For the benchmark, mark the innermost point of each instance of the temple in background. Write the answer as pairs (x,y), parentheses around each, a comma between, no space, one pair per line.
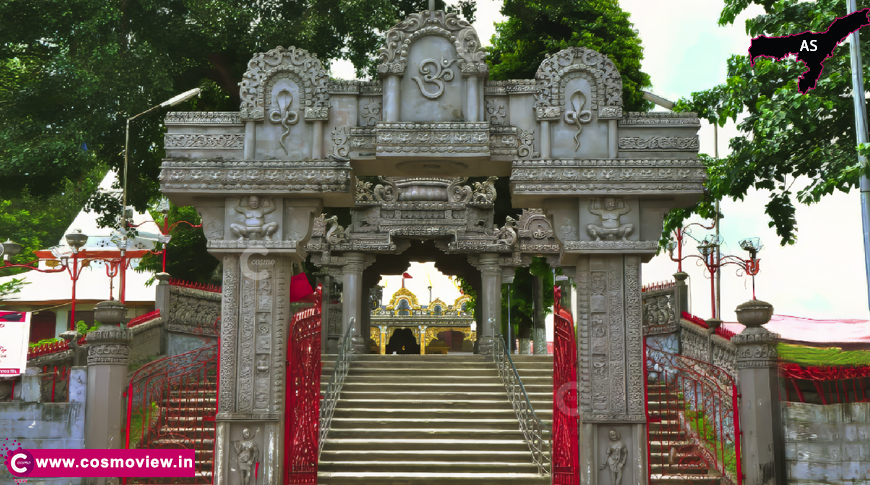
(398,326)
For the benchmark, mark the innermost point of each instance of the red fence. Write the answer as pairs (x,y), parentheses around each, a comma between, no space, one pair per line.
(143,318)
(171,403)
(834,385)
(566,451)
(302,412)
(195,286)
(692,417)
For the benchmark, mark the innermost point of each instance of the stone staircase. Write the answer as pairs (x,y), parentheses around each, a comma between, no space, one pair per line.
(672,457)
(186,420)
(430,419)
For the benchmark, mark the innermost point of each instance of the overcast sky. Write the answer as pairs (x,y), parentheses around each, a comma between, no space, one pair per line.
(821,276)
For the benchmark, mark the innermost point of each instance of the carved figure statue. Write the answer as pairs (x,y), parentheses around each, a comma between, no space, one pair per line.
(248,454)
(335,234)
(609,211)
(507,235)
(484,192)
(255,219)
(364,191)
(666,314)
(617,455)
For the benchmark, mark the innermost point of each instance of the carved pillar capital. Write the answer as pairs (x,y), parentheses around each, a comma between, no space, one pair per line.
(109,345)
(756,346)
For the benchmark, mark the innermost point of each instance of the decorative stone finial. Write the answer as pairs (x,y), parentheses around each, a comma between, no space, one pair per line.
(162,279)
(110,312)
(681,276)
(754,313)
(714,323)
(756,346)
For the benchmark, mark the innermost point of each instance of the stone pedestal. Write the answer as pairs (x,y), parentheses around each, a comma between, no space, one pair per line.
(539,331)
(762,440)
(108,351)
(161,302)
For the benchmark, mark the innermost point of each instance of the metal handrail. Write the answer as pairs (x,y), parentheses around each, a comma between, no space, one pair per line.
(333,390)
(531,426)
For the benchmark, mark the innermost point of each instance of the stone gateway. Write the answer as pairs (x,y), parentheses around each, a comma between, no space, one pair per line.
(593,181)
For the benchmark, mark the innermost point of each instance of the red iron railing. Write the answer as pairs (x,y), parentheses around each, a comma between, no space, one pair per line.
(696,320)
(51,348)
(831,383)
(724,333)
(59,379)
(195,286)
(143,318)
(692,417)
(566,446)
(171,403)
(660,285)
(302,411)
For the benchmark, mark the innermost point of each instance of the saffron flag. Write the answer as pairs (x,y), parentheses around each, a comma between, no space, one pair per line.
(299,287)
(406,275)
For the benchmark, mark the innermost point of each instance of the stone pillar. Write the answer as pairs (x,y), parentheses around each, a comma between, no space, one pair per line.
(539,329)
(326,287)
(422,330)
(161,302)
(352,299)
(681,301)
(382,339)
(610,353)
(490,300)
(108,351)
(391,97)
(30,382)
(761,437)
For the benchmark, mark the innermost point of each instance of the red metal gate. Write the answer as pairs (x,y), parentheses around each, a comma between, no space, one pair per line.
(302,412)
(693,422)
(566,452)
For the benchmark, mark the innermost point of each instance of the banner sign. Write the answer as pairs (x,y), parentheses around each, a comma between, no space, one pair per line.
(14,337)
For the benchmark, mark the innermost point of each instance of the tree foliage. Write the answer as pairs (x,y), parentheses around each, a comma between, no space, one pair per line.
(72,71)
(784,135)
(535,29)
(187,257)
(521,297)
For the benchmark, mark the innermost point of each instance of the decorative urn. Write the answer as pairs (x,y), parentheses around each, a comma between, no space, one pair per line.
(110,312)
(754,313)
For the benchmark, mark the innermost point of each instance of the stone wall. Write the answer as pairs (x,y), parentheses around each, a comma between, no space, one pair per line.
(827,443)
(146,344)
(47,425)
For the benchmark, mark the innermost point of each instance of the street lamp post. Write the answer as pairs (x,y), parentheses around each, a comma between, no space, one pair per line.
(123,247)
(76,241)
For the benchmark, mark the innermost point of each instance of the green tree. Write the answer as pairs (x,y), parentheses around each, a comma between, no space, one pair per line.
(535,29)
(521,297)
(72,71)
(187,257)
(784,135)
(9,288)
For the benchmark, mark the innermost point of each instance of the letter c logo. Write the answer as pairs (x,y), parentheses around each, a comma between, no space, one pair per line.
(13,463)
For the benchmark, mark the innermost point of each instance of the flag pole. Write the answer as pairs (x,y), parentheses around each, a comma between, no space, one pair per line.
(861,137)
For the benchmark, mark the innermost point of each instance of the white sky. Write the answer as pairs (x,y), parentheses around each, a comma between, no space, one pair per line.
(821,276)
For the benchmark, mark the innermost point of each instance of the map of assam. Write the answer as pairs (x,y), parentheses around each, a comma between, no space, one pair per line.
(811,48)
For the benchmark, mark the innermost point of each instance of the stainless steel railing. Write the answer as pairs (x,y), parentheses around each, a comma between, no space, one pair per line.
(333,390)
(532,427)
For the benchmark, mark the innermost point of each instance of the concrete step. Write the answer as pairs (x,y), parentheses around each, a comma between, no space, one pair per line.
(427,357)
(446,478)
(455,445)
(432,423)
(443,456)
(415,433)
(494,467)
(436,395)
(421,372)
(452,405)
(475,413)
(685,479)
(385,387)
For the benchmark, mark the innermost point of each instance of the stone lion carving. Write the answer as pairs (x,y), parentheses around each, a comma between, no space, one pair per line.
(484,192)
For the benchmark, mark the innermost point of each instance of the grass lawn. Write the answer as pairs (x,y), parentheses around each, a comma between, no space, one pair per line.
(821,356)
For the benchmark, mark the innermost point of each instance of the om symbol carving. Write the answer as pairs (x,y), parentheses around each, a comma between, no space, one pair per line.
(283,114)
(434,75)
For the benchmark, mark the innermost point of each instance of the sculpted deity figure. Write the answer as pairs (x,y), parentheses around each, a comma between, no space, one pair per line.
(609,228)
(255,219)
(617,455)
(248,454)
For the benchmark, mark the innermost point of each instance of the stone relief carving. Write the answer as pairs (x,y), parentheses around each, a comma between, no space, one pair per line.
(363,193)
(552,75)
(248,453)
(293,61)
(335,234)
(484,192)
(659,118)
(386,193)
(405,137)
(205,141)
(634,336)
(255,225)
(567,230)
(511,86)
(436,74)
(616,456)
(393,55)
(371,113)
(578,116)
(193,311)
(507,235)
(283,115)
(220,175)
(229,325)
(496,112)
(340,139)
(202,118)
(526,143)
(610,210)
(658,143)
